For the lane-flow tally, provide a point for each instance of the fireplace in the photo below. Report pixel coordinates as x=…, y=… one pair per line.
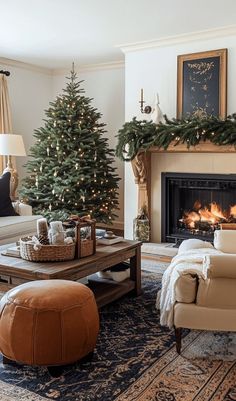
x=194, y=205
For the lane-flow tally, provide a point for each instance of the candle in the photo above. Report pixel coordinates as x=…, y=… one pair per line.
x=141, y=94
x=42, y=231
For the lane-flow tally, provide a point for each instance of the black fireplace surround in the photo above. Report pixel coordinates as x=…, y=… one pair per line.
x=194, y=205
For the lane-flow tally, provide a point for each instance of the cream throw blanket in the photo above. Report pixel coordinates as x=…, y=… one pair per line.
x=189, y=262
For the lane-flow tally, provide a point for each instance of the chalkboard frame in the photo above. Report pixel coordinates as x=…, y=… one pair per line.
x=217, y=78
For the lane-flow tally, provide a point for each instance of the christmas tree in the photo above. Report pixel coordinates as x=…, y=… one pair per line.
x=71, y=168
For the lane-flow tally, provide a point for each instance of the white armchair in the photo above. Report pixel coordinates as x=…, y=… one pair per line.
x=212, y=305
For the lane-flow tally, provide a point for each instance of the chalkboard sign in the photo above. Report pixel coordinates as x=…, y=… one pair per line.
x=201, y=84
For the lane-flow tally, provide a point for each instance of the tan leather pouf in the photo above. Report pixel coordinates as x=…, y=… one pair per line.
x=48, y=322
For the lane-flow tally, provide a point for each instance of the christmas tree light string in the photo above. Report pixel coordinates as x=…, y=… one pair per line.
x=71, y=161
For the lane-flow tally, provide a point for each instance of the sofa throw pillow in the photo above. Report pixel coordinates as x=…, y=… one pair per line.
x=6, y=208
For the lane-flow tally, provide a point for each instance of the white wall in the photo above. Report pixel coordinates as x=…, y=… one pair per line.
x=155, y=70
x=30, y=92
x=106, y=87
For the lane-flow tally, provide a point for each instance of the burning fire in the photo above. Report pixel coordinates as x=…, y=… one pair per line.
x=211, y=214
x=233, y=211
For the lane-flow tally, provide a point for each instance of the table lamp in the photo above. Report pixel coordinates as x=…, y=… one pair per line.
x=12, y=145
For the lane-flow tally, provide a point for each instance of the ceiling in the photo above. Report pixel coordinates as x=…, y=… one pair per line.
x=53, y=33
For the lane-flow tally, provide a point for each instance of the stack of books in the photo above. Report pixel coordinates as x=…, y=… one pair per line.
x=109, y=241
x=107, y=237
x=12, y=251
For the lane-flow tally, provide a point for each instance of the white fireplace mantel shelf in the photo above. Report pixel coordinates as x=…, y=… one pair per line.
x=141, y=165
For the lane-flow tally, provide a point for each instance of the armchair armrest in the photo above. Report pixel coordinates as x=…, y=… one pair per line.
x=22, y=209
x=220, y=266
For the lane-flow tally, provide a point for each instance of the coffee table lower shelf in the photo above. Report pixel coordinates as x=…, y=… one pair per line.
x=107, y=291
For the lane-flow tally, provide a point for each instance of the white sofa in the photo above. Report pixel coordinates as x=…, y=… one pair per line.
x=14, y=227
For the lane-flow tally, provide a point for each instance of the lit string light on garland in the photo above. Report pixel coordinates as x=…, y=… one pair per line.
x=136, y=135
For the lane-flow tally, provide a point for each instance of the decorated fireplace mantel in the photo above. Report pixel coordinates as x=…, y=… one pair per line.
x=141, y=165
x=198, y=133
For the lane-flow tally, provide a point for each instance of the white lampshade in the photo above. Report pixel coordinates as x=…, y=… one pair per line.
x=12, y=145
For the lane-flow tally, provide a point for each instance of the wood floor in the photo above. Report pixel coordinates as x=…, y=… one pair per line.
x=156, y=258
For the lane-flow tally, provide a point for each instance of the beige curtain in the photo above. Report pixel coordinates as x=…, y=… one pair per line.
x=5, y=113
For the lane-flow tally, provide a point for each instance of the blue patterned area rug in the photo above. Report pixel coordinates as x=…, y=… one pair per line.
x=135, y=360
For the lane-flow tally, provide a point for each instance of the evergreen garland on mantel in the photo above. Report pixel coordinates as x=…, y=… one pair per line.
x=136, y=135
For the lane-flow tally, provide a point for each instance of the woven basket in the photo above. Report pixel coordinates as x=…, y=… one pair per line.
x=87, y=248
x=46, y=253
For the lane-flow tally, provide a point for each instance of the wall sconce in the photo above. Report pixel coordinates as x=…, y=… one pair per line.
x=146, y=109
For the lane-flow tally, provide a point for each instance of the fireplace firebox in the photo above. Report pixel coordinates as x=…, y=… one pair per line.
x=194, y=205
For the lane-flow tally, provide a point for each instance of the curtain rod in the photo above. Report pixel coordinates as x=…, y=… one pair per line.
x=7, y=73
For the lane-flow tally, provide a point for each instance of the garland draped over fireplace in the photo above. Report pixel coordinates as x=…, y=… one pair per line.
x=142, y=135
x=137, y=140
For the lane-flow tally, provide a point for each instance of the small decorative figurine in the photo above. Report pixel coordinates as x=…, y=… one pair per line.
x=157, y=115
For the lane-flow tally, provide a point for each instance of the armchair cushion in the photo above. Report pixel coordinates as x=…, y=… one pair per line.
x=216, y=293
x=225, y=240
x=220, y=266
x=6, y=208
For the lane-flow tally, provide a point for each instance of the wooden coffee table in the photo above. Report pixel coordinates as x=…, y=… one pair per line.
x=15, y=271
